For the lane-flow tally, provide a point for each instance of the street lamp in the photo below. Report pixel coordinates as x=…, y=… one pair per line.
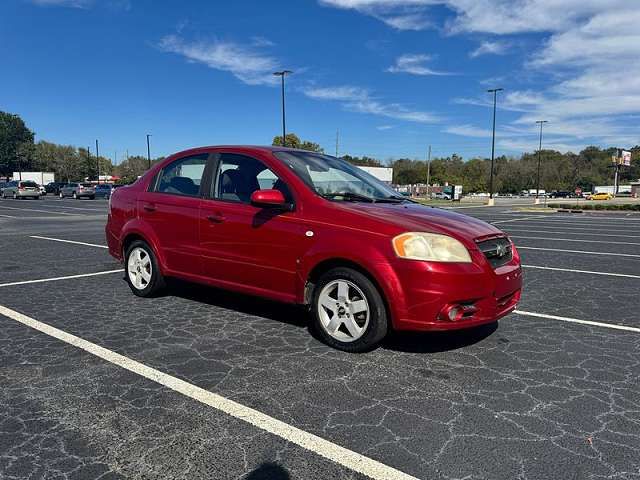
x=540, y=122
x=98, y=161
x=493, y=141
x=148, y=151
x=282, y=74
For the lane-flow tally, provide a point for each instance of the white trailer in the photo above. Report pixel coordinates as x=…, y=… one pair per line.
x=41, y=178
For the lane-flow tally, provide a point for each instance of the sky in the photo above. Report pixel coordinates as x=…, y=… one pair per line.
x=390, y=77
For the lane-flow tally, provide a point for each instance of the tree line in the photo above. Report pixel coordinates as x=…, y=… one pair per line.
x=559, y=171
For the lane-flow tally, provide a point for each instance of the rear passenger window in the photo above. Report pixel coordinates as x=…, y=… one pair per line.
x=183, y=176
x=239, y=176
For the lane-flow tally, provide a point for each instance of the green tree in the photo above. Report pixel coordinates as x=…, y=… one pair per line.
x=293, y=141
x=16, y=143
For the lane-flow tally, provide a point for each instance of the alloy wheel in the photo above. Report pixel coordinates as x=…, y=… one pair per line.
x=139, y=268
x=343, y=310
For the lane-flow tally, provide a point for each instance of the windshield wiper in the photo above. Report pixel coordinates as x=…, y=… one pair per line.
x=350, y=196
x=394, y=199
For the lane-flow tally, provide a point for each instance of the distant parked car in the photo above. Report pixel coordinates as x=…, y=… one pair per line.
x=78, y=190
x=21, y=189
x=104, y=190
x=442, y=196
x=54, y=187
x=2, y=185
x=560, y=194
x=601, y=196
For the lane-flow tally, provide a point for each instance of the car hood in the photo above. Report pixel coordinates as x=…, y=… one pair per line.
x=415, y=217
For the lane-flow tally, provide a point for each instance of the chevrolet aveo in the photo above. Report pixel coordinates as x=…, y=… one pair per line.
x=306, y=228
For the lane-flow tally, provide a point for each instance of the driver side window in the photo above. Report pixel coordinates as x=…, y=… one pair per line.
x=239, y=176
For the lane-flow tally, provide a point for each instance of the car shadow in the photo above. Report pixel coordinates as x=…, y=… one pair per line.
x=298, y=316
x=260, y=307
x=268, y=471
x=435, y=342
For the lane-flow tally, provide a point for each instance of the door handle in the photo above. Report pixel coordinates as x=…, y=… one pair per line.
x=216, y=218
x=149, y=207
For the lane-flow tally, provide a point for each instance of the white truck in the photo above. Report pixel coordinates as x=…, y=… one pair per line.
x=41, y=178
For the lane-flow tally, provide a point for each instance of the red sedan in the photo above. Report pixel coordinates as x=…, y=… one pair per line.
x=307, y=228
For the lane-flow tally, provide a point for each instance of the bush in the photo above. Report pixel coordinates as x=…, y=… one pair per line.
x=600, y=206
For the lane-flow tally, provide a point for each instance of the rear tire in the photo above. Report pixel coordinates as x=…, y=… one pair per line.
x=349, y=313
x=142, y=270
x=92, y=197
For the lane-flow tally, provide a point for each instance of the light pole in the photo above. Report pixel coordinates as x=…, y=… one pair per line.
x=148, y=151
x=98, y=161
x=493, y=142
x=282, y=74
x=540, y=122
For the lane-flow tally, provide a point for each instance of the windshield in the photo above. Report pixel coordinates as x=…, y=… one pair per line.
x=331, y=177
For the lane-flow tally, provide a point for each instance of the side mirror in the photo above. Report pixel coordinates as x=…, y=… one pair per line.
x=268, y=198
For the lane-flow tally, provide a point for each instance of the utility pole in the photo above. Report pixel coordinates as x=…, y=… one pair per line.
x=493, y=142
x=98, y=161
x=337, y=139
x=148, y=151
x=282, y=74
x=429, y=173
x=540, y=122
x=88, y=161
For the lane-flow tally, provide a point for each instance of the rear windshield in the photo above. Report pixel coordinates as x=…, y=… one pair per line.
x=87, y=184
x=29, y=183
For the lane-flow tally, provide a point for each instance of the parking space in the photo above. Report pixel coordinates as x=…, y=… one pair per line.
x=533, y=396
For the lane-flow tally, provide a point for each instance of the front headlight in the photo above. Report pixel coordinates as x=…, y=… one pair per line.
x=431, y=247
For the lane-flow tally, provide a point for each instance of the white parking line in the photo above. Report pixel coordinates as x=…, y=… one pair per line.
x=331, y=451
x=53, y=279
x=581, y=271
x=562, y=226
x=7, y=216
x=575, y=240
x=511, y=220
x=549, y=221
x=520, y=247
x=581, y=322
x=42, y=211
x=68, y=241
x=537, y=230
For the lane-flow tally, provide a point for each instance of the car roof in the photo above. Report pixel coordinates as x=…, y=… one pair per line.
x=244, y=148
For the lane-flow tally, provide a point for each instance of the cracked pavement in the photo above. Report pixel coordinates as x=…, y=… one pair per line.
x=525, y=398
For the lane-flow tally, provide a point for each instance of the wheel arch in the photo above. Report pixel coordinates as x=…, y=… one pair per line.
x=328, y=264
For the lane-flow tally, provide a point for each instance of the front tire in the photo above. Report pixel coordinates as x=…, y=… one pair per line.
x=142, y=271
x=349, y=313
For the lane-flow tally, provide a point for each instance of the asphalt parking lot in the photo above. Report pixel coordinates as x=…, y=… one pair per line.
x=200, y=383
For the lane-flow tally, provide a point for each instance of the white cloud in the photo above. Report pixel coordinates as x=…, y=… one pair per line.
x=360, y=100
x=384, y=127
x=487, y=47
x=245, y=63
x=468, y=131
x=399, y=14
x=414, y=64
x=64, y=3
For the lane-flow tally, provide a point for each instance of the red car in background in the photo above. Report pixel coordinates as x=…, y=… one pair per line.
x=306, y=228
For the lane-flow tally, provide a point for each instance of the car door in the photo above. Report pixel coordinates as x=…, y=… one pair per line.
x=254, y=249
x=170, y=208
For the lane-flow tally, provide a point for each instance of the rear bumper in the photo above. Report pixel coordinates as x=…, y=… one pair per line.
x=27, y=193
x=113, y=243
x=423, y=291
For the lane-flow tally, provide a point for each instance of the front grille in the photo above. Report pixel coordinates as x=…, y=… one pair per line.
x=498, y=251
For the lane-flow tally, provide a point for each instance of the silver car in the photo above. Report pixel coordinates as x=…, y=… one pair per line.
x=78, y=190
x=21, y=189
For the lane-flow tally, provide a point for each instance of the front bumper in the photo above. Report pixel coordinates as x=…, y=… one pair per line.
x=424, y=291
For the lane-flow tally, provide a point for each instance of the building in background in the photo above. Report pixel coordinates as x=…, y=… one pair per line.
x=41, y=178
x=384, y=174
